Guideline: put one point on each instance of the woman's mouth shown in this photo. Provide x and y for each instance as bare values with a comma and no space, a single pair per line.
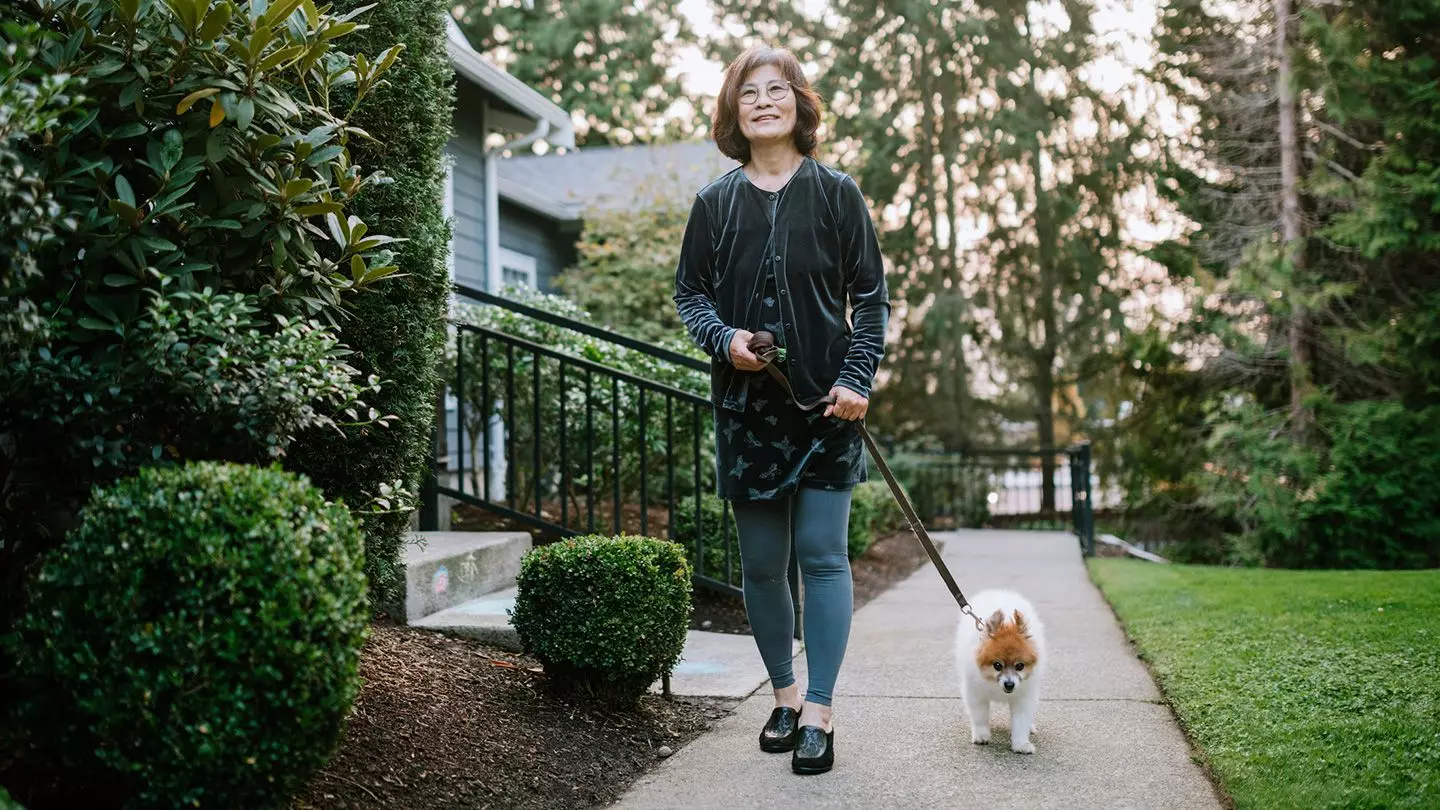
760,119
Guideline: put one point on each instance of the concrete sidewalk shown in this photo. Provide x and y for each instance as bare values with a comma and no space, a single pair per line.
902,739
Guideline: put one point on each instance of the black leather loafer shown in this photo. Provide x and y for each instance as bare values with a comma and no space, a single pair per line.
780,731
814,751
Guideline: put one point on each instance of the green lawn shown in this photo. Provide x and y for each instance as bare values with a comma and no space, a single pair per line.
1302,688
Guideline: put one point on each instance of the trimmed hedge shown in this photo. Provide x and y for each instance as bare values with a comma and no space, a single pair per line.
873,514
397,332
196,641
606,616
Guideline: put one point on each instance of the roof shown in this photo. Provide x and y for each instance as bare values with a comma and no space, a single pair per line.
613,178
470,65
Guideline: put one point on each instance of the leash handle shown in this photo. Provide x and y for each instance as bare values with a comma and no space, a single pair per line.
762,345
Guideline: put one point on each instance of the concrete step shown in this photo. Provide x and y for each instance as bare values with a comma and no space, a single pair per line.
484,619
713,664
451,568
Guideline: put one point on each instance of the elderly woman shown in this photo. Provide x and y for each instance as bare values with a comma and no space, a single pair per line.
782,244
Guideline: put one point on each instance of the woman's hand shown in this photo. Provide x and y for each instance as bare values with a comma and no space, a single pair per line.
849,405
740,355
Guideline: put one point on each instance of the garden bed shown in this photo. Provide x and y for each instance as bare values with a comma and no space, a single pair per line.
889,560
444,722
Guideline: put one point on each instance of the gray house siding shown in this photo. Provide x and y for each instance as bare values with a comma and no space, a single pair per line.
467,155
549,243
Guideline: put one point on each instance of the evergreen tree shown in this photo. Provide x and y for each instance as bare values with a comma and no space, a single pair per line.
606,61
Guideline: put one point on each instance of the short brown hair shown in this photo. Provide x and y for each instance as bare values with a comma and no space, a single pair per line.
726,124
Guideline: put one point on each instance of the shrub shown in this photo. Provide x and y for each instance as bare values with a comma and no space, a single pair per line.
397,331
198,636
32,100
873,514
605,616
715,532
209,154
1360,496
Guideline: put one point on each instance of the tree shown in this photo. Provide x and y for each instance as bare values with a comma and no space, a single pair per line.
1050,161
607,61
997,174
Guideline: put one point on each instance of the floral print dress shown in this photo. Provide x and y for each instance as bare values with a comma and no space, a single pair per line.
773,448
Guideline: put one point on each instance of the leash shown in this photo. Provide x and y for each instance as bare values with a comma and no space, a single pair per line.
762,345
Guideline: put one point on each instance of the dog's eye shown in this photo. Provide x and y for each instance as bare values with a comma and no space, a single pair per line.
1019,665
999,666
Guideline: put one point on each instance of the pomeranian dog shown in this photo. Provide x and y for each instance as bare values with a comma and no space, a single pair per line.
1005,662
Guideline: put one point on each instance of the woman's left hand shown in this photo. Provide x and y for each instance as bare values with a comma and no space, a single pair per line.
849,405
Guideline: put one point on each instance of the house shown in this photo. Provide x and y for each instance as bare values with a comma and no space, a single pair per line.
494,113
545,198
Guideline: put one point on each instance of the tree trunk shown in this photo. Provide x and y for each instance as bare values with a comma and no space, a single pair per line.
1045,417
1291,225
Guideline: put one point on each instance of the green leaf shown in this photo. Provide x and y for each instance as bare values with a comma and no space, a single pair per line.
190,100
244,113
357,268
173,148
316,209
324,155
95,325
215,22
124,192
297,187
117,280
128,131
131,93
339,231
155,243
337,31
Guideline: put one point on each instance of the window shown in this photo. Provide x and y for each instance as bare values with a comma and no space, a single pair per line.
517,269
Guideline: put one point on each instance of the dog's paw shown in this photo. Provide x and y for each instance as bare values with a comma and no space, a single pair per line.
1026,747
980,736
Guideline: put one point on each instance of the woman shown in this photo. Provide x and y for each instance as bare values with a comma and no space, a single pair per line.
782,244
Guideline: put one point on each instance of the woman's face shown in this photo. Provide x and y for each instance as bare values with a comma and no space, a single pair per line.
763,116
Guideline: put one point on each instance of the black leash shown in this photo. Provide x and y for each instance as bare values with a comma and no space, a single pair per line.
762,345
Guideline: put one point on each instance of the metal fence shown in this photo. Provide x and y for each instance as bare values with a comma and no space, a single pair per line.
1021,489
568,446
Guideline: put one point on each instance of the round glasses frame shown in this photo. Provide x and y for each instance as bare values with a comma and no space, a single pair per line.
776,91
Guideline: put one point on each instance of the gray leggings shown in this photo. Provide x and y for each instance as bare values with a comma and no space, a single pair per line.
818,522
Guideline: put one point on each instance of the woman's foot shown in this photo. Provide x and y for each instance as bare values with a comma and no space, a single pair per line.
783,728
816,715
814,751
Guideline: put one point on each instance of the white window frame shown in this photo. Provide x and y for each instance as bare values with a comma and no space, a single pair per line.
521,264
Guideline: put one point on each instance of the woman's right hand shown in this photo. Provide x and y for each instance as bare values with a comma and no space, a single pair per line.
740,355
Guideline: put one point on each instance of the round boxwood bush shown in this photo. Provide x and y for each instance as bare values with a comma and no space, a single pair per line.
606,616
197,638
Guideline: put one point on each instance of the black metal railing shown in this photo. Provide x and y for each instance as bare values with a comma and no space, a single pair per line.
1022,489
566,445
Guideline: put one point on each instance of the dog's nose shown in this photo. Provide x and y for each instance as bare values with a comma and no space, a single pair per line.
1009,686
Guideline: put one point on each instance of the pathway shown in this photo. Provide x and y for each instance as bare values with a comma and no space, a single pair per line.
1105,739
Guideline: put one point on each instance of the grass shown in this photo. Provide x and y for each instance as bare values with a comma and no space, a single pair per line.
1301,688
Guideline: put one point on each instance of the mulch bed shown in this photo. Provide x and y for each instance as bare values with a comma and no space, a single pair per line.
444,722
891,559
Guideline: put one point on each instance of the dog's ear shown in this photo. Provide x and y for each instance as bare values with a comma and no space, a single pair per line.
992,625
1020,624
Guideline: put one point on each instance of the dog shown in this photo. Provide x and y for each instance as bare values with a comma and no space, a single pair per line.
1005,662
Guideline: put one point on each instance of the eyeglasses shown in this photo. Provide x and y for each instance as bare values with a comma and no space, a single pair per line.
749,94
